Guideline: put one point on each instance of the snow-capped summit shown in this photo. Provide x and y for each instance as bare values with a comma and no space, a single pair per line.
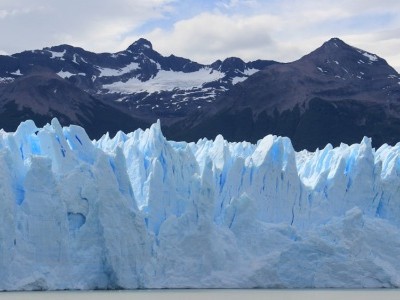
338,59
333,94
139,80
140,45
337,93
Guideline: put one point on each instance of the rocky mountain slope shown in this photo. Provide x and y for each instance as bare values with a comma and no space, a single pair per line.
138,81
335,94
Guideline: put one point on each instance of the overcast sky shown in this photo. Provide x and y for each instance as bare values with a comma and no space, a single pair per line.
203,30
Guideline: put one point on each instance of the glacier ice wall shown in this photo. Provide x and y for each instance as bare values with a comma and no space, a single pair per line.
138,211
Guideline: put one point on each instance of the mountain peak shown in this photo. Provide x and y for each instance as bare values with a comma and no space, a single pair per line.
333,46
335,42
233,63
140,45
335,50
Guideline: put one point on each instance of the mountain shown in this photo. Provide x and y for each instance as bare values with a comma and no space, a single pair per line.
139,211
42,95
138,81
335,94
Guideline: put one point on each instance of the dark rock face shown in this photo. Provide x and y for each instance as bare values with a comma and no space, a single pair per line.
42,96
335,94
138,81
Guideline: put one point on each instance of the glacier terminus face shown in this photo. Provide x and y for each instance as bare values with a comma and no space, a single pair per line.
139,211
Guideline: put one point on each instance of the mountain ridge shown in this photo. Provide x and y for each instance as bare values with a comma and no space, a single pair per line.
117,78
337,93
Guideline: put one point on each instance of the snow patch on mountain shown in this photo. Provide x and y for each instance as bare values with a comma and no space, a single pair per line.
74,59
16,73
6,79
67,74
166,81
246,74
59,55
109,72
371,57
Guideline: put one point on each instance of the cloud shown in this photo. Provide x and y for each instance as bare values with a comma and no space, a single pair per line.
96,25
237,4
215,35
282,30
384,43
206,30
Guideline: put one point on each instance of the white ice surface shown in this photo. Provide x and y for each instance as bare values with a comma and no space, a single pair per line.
59,55
6,79
18,73
118,72
67,74
138,210
371,57
166,81
247,73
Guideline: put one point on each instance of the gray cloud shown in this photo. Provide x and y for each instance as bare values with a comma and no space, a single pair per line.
96,25
282,30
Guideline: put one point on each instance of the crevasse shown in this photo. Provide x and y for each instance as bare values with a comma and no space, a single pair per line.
138,211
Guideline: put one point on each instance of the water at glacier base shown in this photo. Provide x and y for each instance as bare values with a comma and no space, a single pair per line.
255,294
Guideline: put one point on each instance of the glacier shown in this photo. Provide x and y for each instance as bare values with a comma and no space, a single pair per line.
139,211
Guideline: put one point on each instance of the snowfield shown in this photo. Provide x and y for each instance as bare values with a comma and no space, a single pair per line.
165,81
138,211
